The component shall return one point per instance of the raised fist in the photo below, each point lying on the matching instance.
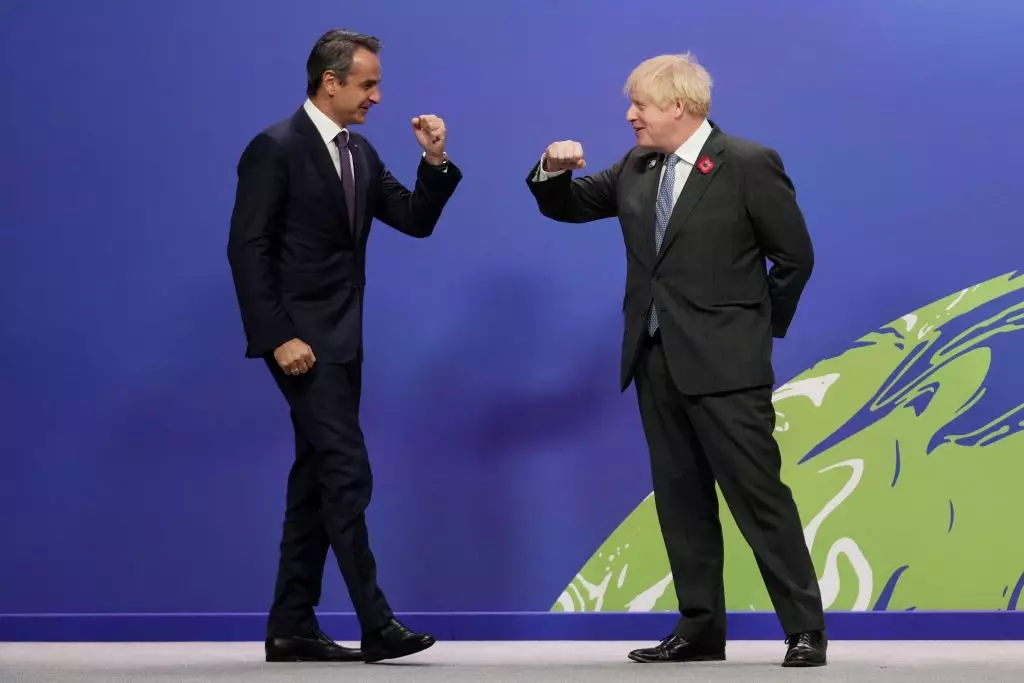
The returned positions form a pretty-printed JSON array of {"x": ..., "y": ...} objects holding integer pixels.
[
  {"x": 430, "y": 133},
  {"x": 563, "y": 156}
]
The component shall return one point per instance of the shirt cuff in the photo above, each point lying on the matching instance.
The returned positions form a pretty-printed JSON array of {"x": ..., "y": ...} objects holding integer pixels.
[{"x": 543, "y": 175}]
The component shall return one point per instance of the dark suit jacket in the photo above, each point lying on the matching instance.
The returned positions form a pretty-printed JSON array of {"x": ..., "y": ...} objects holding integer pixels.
[
  {"x": 299, "y": 268},
  {"x": 718, "y": 304}
]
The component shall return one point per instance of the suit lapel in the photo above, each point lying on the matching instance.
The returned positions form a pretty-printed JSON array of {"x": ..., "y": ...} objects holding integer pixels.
[
  {"x": 322, "y": 161},
  {"x": 650, "y": 174},
  {"x": 696, "y": 183},
  {"x": 363, "y": 180}
]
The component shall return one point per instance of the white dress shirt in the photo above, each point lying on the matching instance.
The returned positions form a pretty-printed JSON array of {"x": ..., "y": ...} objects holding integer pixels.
[
  {"x": 687, "y": 153},
  {"x": 328, "y": 131}
]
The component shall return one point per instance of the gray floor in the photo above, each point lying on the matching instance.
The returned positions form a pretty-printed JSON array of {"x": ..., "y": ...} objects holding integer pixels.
[{"x": 525, "y": 662}]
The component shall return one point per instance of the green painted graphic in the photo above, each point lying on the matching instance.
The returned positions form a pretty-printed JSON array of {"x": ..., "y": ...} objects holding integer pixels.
[{"x": 906, "y": 457}]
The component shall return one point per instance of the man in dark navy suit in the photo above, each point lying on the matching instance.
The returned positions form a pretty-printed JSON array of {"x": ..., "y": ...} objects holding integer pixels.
[{"x": 308, "y": 191}]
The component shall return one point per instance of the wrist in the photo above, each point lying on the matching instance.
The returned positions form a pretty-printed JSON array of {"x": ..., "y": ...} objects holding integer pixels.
[{"x": 435, "y": 159}]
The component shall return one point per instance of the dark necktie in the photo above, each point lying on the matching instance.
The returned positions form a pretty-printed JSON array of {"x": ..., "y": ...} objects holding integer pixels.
[{"x": 348, "y": 181}]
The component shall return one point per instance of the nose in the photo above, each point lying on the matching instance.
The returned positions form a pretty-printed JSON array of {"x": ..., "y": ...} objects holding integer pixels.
[
  {"x": 375, "y": 96},
  {"x": 631, "y": 113}
]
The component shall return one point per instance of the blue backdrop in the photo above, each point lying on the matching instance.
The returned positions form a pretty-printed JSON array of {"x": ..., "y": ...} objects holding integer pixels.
[{"x": 144, "y": 460}]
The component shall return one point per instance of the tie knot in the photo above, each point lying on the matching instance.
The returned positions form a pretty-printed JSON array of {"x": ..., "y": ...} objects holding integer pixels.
[
  {"x": 341, "y": 139},
  {"x": 671, "y": 160}
]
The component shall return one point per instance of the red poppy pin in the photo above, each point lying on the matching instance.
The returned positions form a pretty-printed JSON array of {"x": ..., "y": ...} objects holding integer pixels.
[{"x": 705, "y": 165}]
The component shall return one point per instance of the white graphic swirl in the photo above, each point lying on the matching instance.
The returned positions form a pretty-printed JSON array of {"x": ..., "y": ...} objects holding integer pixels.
[{"x": 829, "y": 582}]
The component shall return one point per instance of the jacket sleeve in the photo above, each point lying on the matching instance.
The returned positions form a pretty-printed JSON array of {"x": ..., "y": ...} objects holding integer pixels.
[
  {"x": 256, "y": 219},
  {"x": 415, "y": 212},
  {"x": 563, "y": 198},
  {"x": 781, "y": 234}
]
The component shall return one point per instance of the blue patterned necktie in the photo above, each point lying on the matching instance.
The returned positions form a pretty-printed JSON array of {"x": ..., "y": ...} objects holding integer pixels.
[{"x": 663, "y": 211}]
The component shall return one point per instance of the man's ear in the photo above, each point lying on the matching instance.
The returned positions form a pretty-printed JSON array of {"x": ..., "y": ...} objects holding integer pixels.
[{"x": 328, "y": 82}]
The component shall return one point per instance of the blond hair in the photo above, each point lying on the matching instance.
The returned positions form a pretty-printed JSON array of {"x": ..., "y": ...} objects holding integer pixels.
[{"x": 668, "y": 79}]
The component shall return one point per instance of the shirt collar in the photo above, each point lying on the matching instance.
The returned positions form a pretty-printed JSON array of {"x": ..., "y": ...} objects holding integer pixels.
[
  {"x": 328, "y": 129},
  {"x": 689, "y": 150}
]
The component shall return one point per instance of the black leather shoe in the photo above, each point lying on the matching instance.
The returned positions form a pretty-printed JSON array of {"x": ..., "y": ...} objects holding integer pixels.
[
  {"x": 677, "y": 649},
  {"x": 806, "y": 649},
  {"x": 314, "y": 647},
  {"x": 392, "y": 641}
]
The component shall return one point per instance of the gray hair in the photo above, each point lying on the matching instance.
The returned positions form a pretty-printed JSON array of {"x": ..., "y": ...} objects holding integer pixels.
[{"x": 333, "y": 52}]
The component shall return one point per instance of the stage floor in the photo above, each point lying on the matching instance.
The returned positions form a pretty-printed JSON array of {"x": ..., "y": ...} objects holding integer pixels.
[{"x": 517, "y": 662}]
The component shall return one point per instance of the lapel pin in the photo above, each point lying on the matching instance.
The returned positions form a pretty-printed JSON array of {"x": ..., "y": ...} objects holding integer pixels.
[{"x": 652, "y": 163}]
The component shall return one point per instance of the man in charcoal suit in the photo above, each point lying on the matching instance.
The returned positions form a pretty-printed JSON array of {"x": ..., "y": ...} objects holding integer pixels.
[
  {"x": 700, "y": 211},
  {"x": 308, "y": 190}
]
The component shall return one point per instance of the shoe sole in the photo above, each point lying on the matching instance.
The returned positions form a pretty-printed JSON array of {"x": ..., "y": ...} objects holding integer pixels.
[
  {"x": 696, "y": 658},
  {"x": 370, "y": 658},
  {"x": 802, "y": 665},
  {"x": 287, "y": 660},
  {"x": 296, "y": 658}
]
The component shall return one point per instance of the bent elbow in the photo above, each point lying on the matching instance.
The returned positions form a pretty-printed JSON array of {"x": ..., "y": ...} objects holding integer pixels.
[
  {"x": 807, "y": 265},
  {"x": 559, "y": 213}
]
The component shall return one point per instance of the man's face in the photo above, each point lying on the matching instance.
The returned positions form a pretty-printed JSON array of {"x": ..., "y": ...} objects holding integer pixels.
[
  {"x": 351, "y": 99},
  {"x": 654, "y": 127}
]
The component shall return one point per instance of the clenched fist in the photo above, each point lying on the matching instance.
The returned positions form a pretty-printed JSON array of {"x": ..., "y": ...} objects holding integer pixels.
[
  {"x": 294, "y": 357},
  {"x": 430, "y": 133},
  {"x": 563, "y": 156}
]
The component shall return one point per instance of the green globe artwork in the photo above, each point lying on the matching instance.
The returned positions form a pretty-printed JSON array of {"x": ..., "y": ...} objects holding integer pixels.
[{"x": 905, "y": 455}]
